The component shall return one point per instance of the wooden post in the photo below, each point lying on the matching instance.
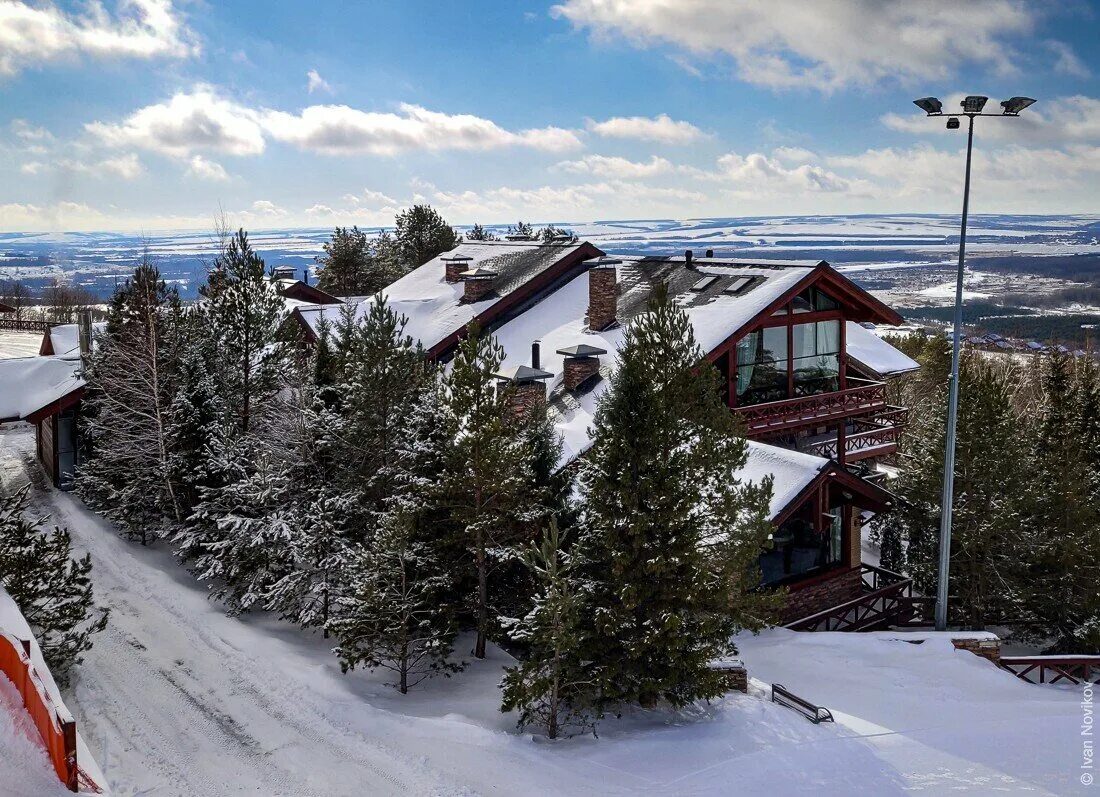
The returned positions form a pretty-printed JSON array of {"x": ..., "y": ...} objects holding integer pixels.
[{"x": 68, "y": 731}]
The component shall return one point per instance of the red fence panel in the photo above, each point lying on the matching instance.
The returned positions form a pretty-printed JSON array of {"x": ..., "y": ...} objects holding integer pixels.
[{"x": 58, "y": 731}]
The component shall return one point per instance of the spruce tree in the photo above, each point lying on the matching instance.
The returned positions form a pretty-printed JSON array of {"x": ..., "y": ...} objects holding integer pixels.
[
  {"x": 670, "y": 534},
  {"x": 399, "y": 612},
  {"x": 51, "y": 587},
  {"x": 423, "y": 234},
  {"x": 550, "y": 687},
  {"x": 356, "y": 265},
  {"x": 479, "y": 233},
  {"x": 488, "y": 479}
]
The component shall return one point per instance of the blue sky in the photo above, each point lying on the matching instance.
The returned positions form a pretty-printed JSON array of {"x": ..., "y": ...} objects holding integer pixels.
[{"x": 152, "y": 114}]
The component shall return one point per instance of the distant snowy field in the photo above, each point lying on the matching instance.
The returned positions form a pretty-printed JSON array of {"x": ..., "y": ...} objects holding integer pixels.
[
  {"x": 178, "y": 699},
  {"x": 99, "y": 260}
]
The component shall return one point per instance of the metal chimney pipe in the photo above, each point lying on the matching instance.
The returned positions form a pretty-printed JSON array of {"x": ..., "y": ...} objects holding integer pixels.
[
  {"x": 84, "y": 332},
  {"x": 710, "y": 253},
  {"x": 305, "y": 275},
  {"x": 687, "y": 259},
  {"x": 535, "y": 355}
]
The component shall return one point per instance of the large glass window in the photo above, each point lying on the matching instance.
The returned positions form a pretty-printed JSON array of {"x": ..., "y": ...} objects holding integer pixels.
[
  {"x": 797, "y": 550},
  {"x": 816, "y": 357},
  {"x": 762, "y": 366}
]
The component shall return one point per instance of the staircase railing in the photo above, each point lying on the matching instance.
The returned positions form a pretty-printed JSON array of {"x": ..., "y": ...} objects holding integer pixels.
[{"x": 888, "y": 601}]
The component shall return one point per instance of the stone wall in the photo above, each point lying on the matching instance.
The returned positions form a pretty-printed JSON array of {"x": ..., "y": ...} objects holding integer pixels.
[
  {"x": 802, "y": 601},
  {"x": 986, "y": 648}
]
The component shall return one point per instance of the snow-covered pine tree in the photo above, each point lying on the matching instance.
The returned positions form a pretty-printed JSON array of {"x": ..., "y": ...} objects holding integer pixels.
[
  {"x": 355, "y": 264},
  {"x": 421, "y": 233},
  {"x": 670, "y": 535},
  {"x": 399, "y": 612},
  {"x": 132, "y": 378},
  {"x": 52, "y": 588},
  {"x": 551, "y": 687},
  {"x": 245, "y": 312},
  {"x": 242, "y": 530},
  {"x": 488, "y": 480}
]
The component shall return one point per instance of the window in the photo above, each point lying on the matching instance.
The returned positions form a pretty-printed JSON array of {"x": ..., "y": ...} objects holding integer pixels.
[
  {"x": 797, "y": 550},
  {"x": 812, "y": 299},
  {"x": 816, "y": 357},
  {"x": 738, "y": 285},
  {"x": 704, "y": 283},
  {"x": 762, "y": 366}
]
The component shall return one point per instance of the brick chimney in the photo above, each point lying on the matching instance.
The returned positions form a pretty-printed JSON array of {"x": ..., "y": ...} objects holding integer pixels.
[
  {"x": 478, "y": 284},
  {"x": 580, "y": 365},
  {"x": 454, "y": 265},
  {"x": 526, "y": 385},
  {"x": 603, "y": 292}
]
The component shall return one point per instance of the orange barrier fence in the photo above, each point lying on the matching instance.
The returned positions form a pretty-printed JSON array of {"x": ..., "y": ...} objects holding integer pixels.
[{"x": 57, "y": 728}]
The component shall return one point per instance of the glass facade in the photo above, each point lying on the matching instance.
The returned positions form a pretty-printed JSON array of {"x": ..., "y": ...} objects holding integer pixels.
[
  {"x": 771, "y": 367},
  {"x": 797, "y": 550}
]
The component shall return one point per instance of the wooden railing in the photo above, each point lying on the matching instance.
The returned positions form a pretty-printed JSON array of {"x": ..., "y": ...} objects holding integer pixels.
[
  {"x": 779, "y": 416},
  {"x": 1052, "y": 669},
  {"x": 888, "y": 601},
  {"x": 877, "y": 435},
  {"x": 785, "y": 697},
  {"x": 25, "y": 325}
]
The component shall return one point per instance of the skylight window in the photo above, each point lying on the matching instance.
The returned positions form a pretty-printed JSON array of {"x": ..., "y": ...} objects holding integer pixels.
[
  {"x": 739, "y": 284},
  {"x": 704, "y": 283}
]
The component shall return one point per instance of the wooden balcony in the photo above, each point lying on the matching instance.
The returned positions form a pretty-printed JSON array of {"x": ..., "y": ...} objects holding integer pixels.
[
  {"x": 874, "y": 435},
  {"x": 776, "y": 417}
]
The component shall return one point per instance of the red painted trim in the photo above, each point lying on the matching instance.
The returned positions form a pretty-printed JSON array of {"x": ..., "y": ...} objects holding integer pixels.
[
  {"x": 875, "y": 496},
  {"x": 308, "y": 293}
]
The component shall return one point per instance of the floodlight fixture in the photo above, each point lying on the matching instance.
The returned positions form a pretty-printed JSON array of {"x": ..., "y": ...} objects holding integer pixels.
[
  {"x": 930, "y": 105},
  {"x": 974, "y": 103},
  {"x": 953, "y": 123},
  {"x": 1013, "y": 105}
]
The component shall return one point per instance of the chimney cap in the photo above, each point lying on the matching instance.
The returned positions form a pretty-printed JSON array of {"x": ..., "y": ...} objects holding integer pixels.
[
  {"x": 456, "y": 258},
  {"x": 603, "y": 261},
  {"x": 582, "y": 350},
  {"x": 522, "y": 373},
  {"x": 479, "y": 273},
  {"x": 518, "y": 236}
]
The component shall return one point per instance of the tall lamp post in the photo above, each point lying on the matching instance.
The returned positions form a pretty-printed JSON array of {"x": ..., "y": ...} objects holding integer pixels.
[{"x": 972, "y": 107}]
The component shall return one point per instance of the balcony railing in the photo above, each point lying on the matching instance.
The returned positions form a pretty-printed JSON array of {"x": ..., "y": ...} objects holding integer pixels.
[
  {"x": 873, "y": 436},
  {"x": 762, "y": 420}
]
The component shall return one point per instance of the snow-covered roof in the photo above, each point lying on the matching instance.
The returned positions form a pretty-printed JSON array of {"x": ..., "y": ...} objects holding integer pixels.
[
  {"x": 27, "y": 384},
  {"x": 65, "y": 338},
  {"x": 434, "y": 307},
  {"x": 558, "y": 323},
  {"x": 874, "y": 353}
]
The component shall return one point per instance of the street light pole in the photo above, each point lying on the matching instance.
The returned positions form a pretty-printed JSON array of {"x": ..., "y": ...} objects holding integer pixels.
[
  {"x": 972, "y": 106},
  {"x": 953, "y": 407}
]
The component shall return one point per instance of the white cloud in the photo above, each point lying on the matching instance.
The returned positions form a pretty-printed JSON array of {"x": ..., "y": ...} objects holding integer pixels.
[
  {"x": 35, "y": 34},
  {"x": 263, "y": 207},
  {"x": 25, "y": 131},
  {"x": 55, "y": 217},
  {"x": 757, "y": 173},
  {"x": 33, "y": 167},
  {"x": 197, "y": 121},
  {"x": 793, "y": 154},
  {"x": 339, "y": 129},
  {"x": 123, "y": 167},
  {"x": 318, "y": 83},
  {"x": 662, "y": 129},
  {"x": 822, "y": 45},
  {"x": 370, "y": 198},
  {"x": 204, "y": 169},
  {"x": 615, "y": 167},
  {"x": 202, "y": 120},
  {"x": 1066, "y": 60}
]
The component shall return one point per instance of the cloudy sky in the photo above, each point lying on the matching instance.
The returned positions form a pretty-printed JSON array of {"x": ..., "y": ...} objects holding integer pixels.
[{"x": 152, "y": 114}]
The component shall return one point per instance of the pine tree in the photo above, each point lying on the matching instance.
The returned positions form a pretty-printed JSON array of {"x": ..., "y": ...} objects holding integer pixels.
[
  {"x": 488, "y": 476},
  {"x": 356, "y": 265},
  {"x": 399, "y": 613},
  {"x": 53, "y": 589},
  {"x": 989, "y": 504},
  {"x": 245, "y": 312},
  {"x": 550, "y": 687},
  {"x": 670, "y": 535},
  {"x": 479, "y": 233},
  {"x": 1062, "y": 536},
  {"x": 132, "y": 377},
  {"x": 423, "y": 234}
]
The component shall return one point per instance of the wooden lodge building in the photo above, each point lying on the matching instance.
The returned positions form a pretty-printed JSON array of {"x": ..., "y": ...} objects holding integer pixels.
[{"x": 790, "y": 338}]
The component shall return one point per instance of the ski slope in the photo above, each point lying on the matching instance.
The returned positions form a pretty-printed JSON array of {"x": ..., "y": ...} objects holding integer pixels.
[{"x": 178, "y": 699}]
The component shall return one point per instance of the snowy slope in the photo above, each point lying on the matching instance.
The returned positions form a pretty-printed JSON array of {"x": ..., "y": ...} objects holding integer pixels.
[{"x": 179, "y": 699}]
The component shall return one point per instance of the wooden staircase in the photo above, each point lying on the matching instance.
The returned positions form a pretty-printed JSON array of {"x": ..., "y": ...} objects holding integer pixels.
[{"x": 888, "y": 601}]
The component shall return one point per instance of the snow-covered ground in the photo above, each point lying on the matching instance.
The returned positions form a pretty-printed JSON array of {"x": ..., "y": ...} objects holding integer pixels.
[{"x": 178, "y": 699}]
